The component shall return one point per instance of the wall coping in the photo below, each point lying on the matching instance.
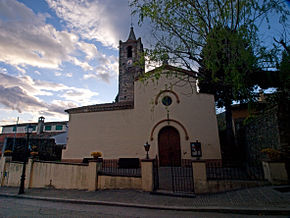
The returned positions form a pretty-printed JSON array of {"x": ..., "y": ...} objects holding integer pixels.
[
  {"x": 63, "y": 163},
  {"x": 102, "y": 107},
  {"x": 273, "y": 161},
  {"x": 147, "y": 160},
  {"x": 96, "y": 161},
  {"x": 112, "y": 175},
  {"x": 18, "y": 162},
  {"x": 199, "y": 161}
]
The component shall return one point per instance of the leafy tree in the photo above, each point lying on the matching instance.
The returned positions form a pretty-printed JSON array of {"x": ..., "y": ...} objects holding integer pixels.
[
  {"x": 219, "y": 36},
  {"x": 227, "y": 64},
  {"x": 284, "y": 75},
  {"x": 181, "y": 27}
]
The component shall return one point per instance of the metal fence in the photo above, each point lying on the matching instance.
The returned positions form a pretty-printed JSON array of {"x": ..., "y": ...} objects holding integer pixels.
[
  {"x": 113, "y": 168},
  {"x": 177, "y": 179},
  {"x": 234, "y": 171},
  {"x": 182, "y": 179}
]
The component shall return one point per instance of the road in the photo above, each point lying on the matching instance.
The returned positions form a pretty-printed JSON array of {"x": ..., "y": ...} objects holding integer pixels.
[{"x": 13, "y": 207}]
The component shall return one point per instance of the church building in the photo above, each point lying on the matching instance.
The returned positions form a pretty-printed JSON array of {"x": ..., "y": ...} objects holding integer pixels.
[{"x": 169, "y": 113}]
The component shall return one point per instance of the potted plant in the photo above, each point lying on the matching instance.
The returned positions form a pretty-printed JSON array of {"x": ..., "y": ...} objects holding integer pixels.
[
  {"x": 272, "y": 154},
  {"x": 274, "y": 166},
  {"x": 7, "y": 153},
  {"x": 96, "y": 155},
  {"x": 34, "y": 154}
]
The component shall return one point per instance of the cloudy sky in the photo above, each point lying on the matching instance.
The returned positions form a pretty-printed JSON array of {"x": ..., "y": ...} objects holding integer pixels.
[{"x": 58, "y": 54}]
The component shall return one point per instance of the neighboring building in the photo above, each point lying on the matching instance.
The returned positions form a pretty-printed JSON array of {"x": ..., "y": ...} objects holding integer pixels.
[
  {"x": 40, "y": 130},
  {"x": 257, "y": 126},
  {"x": 169, "y": 113}
]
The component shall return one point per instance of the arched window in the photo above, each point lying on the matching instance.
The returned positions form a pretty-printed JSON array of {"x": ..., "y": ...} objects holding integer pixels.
[{"x": 129, "y": 52}]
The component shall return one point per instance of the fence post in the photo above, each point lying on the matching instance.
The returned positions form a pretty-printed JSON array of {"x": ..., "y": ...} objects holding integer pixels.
[
  {"x": 29, "y": 172},
  {"x": 93, "y": 168},
  {"x": 199, "y": 177},
  {"x": 275, "y": 172},
  {"x": 2, "y": 170},
  {"x": 147, "y": 175}
]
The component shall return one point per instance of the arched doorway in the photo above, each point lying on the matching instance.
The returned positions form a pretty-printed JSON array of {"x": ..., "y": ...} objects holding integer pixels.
[{"x": 169, "y": 147}]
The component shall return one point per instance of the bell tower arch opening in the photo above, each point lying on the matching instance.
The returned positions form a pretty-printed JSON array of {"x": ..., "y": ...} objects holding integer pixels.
[{"x": 129, "y": 52}]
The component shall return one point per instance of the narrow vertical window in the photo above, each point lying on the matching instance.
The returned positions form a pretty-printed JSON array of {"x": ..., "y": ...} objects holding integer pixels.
[{"x": 129, "y": 52}]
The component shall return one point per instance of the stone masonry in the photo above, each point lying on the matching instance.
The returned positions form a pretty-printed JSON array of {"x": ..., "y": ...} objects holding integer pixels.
[{"x": 129, "y": 68}]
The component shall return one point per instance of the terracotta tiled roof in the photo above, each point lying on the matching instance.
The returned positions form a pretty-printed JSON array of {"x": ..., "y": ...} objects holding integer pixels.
[{"x": 102, "y": 107}]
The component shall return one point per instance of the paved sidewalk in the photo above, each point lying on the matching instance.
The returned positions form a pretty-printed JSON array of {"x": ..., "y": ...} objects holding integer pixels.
[{"x": 261, "y": 200}]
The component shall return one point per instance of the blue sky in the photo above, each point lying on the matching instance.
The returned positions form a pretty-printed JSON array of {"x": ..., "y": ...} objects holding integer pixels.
[{"x": 58, "y": 54}]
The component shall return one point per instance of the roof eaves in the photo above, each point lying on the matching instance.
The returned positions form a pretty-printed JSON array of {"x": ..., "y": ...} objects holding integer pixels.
[{"x": 102, "y": 107}]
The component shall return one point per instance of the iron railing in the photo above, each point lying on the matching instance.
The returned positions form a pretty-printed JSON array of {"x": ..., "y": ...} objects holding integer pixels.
[
  {"x": 112, "y": 168},
  {"x": 177, "y": 178},
  {"x": 182, "y": 179},
  {"x": 234, "y": 171},
  {"x": 155, "y": 174}
]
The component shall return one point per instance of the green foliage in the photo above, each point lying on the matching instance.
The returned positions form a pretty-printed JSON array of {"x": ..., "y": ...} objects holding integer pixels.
[
  {"x": 219, "y": 36},
  {"x": 284, "y": 67},
  {"x": 226, "y": 64},
  {"x": 181, "y": 27},
  {"x": 282, "y": 95}
]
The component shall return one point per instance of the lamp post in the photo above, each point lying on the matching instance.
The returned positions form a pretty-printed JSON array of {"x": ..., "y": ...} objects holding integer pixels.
[
  {"x": 26, "y": 150},
  {"x": 147, "y": 148}
]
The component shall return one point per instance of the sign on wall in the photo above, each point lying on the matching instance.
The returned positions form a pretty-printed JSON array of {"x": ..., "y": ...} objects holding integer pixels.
[{"x": 195, "y": 149}]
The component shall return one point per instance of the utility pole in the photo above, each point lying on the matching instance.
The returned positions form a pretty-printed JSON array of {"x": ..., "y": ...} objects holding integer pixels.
[{"x": 15, "y": 134}]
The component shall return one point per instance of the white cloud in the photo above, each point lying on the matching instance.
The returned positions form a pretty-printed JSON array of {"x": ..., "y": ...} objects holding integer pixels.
[
  {"x": 106, "y": 71},
  {"x": 105, "y": 21},
  {"x": 69, "y": 75},
  {"x": 26, "y": 40},
  {"x": 3, "y": 70},
  {"x": 84, "y": 65},
  {"x": 90, "y": 50},
  {"x": 17, "y": 99},
  {"x": 20, "y": 93},
  {"x": 57, "y": 73},
  {"x": 20, "y": 69}
]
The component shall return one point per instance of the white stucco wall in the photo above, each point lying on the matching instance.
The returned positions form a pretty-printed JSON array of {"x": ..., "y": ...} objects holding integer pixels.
[
  {"x": 59, "y": 175},
  {"x": 13, "y": 174},
  {"x": 122, "y": 133}
]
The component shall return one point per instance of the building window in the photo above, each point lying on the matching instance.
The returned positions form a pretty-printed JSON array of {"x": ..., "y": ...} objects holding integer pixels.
[
  {"x": 58, "y": 127},
  {"x": 129, "y": 52},
  {"x": 47, "y": 128},
  {"x": 33, "y": 128},
  {"x": 166, "y": 101}
]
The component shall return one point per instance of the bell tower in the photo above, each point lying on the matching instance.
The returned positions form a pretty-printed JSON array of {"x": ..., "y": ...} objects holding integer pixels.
[{"x": 129, "y": 66}]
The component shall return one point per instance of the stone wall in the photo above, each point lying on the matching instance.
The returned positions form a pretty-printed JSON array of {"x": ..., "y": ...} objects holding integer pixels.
[
  {"x": 262, "y": 132},
  {"x": 129, "y": 72},
  {"x": 284, "y": 127}
]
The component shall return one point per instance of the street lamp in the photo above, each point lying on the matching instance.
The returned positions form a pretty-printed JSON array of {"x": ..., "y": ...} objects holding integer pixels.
[
  {"x": 29, "y": 130},
  {"x": 147, "y": 148}
]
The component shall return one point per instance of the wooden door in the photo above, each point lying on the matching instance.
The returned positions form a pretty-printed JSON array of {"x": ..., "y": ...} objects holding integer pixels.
[{"x": 169, "y": 147}]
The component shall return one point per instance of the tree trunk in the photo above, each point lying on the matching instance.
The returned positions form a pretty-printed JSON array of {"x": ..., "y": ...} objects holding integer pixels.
[{"x": 230, "y": 139}]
